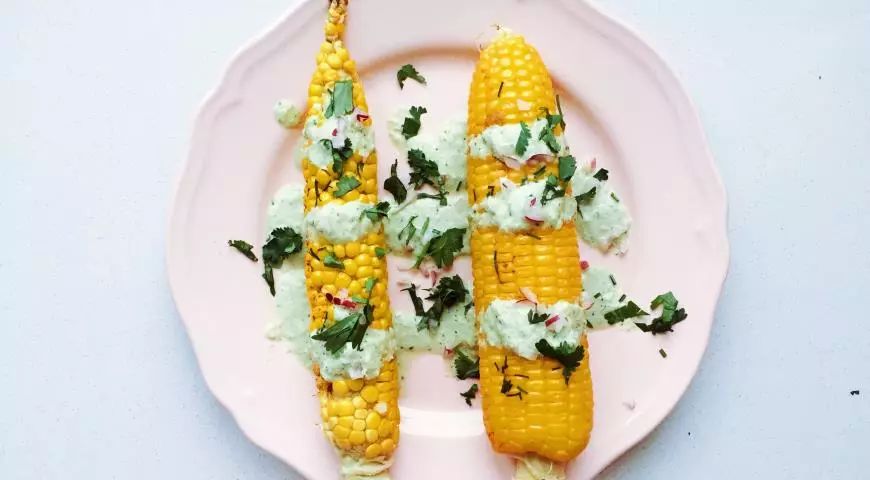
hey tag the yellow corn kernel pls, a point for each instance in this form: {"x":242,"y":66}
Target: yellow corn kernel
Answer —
{"x":361,"y":414}
{"x":341,"y":431}
{"x":344,"y":408}
{"x":339,"y":387}
{"x":359,"y":403}
{"x":346,"y":422}
{"x":355,"y":385}
{"x":373,"y":420}
{"x":373,"y":450}
{"x":357,"y":438}
{"x":370,"y":394}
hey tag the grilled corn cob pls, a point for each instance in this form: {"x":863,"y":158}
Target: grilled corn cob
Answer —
{"x":360,"y":415}
{"x":551,"y":422}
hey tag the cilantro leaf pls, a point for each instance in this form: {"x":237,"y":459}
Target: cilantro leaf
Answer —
{"x":671,"y":315}
{"x":244,"y":248}
{"x":535,"y":317}
{"x":466,"y":364}
{"x":395,"y":186}
{"x":567,"y":167}
{"x":339,"y":155}
{"x":440,"y":196}
{"x":552,"y":190}
{"x":470,"y":394}
{"x":269,"y":277}
{"x":380,"y":252}
{"x":449,"y":292}
{"x":663,"y":353}
{"x":423,"y":171}
{"x":408,"y":231}
{"x":377,"y":212}
{"x":443,"y":247}
{"x":350,"y":329}
{"x":570,"y":357}
{"x":412,"y":124}
{"x":345,"y":185}
{"x":561,"y":115}
{"x":282,"y":243}
{"x":586,"y":198}
{"x":419,"y":309}
{"x":601,"y":175}
{"x":523,"y":139}
{"x":408,"y":71}
{"x":331,"y":261}
{"x":548,"y":134}
{"x":342,"y":99}
{"x":623,"y":313}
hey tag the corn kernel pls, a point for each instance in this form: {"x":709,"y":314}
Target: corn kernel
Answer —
{"x":373,"y":450}
{"x":369,"y":394}
{"x":346,"y":422}
{"x":341,"y":431}
{"x":359,"y":403}
{"x":386,"y":428}
{"x":344,"y":408}
{"x":361,"y":414}
{"x":352,"y":249}
{"x":357,"y":438}
{"x":339,"y":388}
{"x":373,"y":420}
{"x":359,"y":425}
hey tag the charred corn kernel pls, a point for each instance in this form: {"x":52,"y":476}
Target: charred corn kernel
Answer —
{"x":553,"y":420}
{"x":369,"y":393}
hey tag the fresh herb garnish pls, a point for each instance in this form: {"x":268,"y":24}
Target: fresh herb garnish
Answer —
{"x":621,"y":298}
{"x":612,"y":279}
{"x":342,"y":99}
{"x":614,"y":197}
{"x":490,"y":190}
{"x":671,"y":315}
{"x":623,"y":313}
{"x":519,"y":393}
{"x":500,"y":86}
{"x":601,"y":175}
{"x":495,"y":265}
{"x":570,"y":357}
{"x":663,"y":353}
{"x":395,"y":186}
{"x":529,"y":234}
{"x":408,"y":231}
{"x":597,"y":295}
{"x":377,"y":212}
{"x":440,"y":196}
{"x":331,"y":261}
{"x":470,"y":394}
{"x":567,"y":167}
{"x":548,"y":135}
{"x":561,"y":115}
{"x":350,"y":329}
{"x":443,"y":247}
{"x":540,"y":171}
{"x":423,"y":171}
{"x":282,"y":243}
{"x":380,"y":252}
{"x":419,"y":310}
{"x":506,"y":385}
{"x":449,"y":292}
{"x":585,"y":198}
{"x":523,"y":140}
{"x":535,"y":317}
{"x":552,"y":190}
{"x":345,"y":185}
{"x":412,"y":124}
{"x":244,"y":248}
{"x":459,"y":186}
{"x":339,"y":155}
{"x":466,"y":364}
{"x":408,"y":71}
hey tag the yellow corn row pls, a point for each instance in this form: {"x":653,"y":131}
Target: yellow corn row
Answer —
{"x":360,"y":416}
{"x":553,"y":420}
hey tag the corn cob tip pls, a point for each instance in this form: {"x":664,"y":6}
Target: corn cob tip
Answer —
{"x":335,"y":20}
{"x":533,"y":467}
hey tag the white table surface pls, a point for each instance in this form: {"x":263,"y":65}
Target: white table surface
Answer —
{"x":98,"y":379}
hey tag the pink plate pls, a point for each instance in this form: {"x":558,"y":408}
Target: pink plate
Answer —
{"x":623,"y":105}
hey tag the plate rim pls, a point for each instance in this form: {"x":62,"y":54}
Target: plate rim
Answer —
{"x":229,"y":78}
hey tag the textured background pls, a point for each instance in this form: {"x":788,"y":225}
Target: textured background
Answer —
{"x":98,"y":379}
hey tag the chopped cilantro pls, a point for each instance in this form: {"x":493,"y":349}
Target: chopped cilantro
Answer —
{"x":622,"y":298}
{"x":269,"y":276}
{"x":380,"y":252}
{"x":561,"y":115}
{"x":552,"y":190}
{"x":529,"y":234}
{"x":585,"y":198}
{"x":443,"y":247}
{"x":423,"y":171}
{"x":345,"y":185}
{"x":523,"y":140}
{"x":500,"y":86}
{"x":339,"y":155}
{"x":612,"y":279}
{"x":408,"y":231}
{"x":342,"y":99}
{"x":440,"y":196}
{"x":535,"y":317}
{"x":570,"y":357}
{"x":567,"y":167}
{"x":623,"y":313}
{"x":411,"y":126}
{"x":663,"y":353}
{"x":282,"y":243}
{"x":395,"y":186}
{"x":331,"y":261}
{"x":548,"y":135}
{"x":540,"y":171}
{"x":450,"y":291}
{"x":470,"y":394}
{"x":466,"y":364}
{"x":377,"y":212}
{"x":614,"y":197}
{"x":601,"y":175}
{"x":495,"y":265}
{"x":419,"y":309}
{"x":244,"y":248}
{"x":350,"y":329}
{"x":408,"y":71}
{"x":506,"y":385}
{"x":671,"y":315}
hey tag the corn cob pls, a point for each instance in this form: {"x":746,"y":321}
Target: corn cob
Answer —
{"x":554,"y":419}
{"x":360,"y":416}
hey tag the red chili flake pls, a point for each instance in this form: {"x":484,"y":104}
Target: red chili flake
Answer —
{"x":584,"y":264}
{"x":552,"y":320}
{"x":361,"y":117}
{"x":335,"y":132}
{"x":448,"y":351}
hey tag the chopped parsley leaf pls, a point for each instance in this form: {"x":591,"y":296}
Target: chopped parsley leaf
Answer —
{"x":506,"y":385}
{"x":350,"y":329}
{"x":523,"y":140}
{"x":470,"y":394}
{"x":612,"y":279}
{"x":244,"y":248}
{"x":529,"y":234}
{"x":342,"y":99}
{"x":408,"y":71}
{"x":601,"y":175}
{"x":567,"y":167}
{"x":548,"y":135}
{"x":443,"y":247}
{"x":671,"y":315}
{"x":540,"y":171}
{"x":412,"y":124}
{"x":331,"y":261}
{"x":395,"y":186}
{"x":423,"y":171}
{"x":570,"y":357}
{"x":345,"y":185}
{"x":282,"y":243}
{"x":466,"y":364}
{"x":377,"y":212}
{"x":269,"y":276}
{"x":622,"y":298}
{"x":561,"y":115}
{"x":623,"y":313}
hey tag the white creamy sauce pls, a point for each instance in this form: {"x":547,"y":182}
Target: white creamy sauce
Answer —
{"x":501,"y":142}
{"x":339,"y":223}
{"x":377,"y":348}
{"x":520,"y":208}
{"x":506,"y":323}
{"x":603,"y":222}
{"x":287,"y":114}
{"x":600,"y":295}
{"x":445,"y":145}
{"x":291,"y":301}
{"x":456,"y":328}
{"x":441,"y":218}
{"x":336,"y":129}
